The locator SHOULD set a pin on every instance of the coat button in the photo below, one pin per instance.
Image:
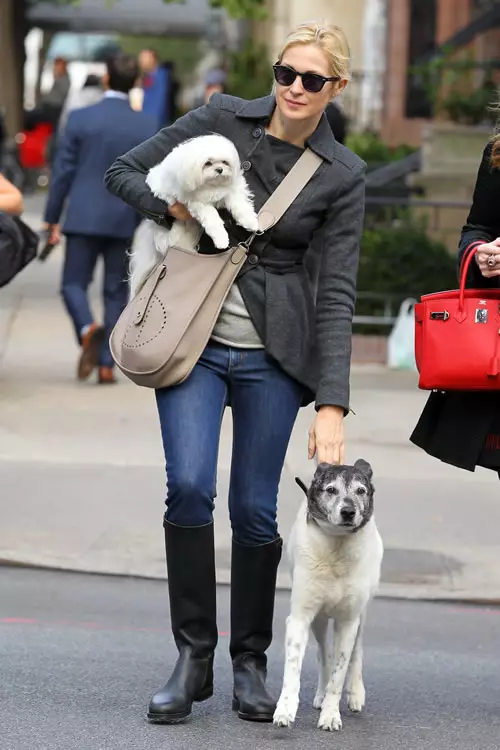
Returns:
(253, 259)
(257, 132)
(246, 166)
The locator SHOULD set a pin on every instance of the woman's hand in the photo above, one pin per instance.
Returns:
(179, 212)
(326, 436)
(11, 199)
(485, 255)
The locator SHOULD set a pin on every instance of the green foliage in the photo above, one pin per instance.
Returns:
(369, 147)
(461, 89)
(400, 262)
(251, 9)
(250, 75)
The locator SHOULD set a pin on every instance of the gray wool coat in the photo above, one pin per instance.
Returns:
(308, 334)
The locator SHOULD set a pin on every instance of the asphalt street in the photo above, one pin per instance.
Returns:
(81, 655)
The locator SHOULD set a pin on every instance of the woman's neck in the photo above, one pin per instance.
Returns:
(293, 132)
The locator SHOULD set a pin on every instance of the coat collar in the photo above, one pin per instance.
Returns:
(322, 141)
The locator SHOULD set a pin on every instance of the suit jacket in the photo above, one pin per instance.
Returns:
(93, 138)
(311, 342)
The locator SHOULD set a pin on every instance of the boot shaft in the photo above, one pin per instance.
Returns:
(190, 558)
(253, 587)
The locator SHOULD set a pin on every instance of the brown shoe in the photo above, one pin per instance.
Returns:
(106, 376)
(91, 345)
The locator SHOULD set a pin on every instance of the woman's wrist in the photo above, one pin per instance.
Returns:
(330, 408)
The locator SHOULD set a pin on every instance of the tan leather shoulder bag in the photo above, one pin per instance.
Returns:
(164, 329)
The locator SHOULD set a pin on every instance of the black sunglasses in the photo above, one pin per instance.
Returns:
(312, 82)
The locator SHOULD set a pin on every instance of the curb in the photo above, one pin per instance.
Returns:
(387, 591)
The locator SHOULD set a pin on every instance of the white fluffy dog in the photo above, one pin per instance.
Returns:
(336, 553)
(204, 174)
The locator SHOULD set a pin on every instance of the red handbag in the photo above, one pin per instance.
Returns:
(457, 337)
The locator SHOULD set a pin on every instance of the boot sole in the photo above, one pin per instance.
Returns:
(204, 695)
(263, 718)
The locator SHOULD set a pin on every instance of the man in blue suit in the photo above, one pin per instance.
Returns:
(97, 224)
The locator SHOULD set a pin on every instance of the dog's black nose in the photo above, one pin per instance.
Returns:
(347, 514)
(218, 170)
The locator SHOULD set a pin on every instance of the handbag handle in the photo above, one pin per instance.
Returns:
(469, 254)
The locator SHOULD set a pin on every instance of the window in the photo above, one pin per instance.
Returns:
(422, 42)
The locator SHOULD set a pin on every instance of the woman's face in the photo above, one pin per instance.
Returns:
(294, 102)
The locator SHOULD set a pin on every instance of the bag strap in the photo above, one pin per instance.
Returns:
(288, 189)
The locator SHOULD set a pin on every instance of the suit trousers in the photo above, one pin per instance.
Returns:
(82, 255)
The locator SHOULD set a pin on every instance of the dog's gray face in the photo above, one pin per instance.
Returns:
(340, 498)
(217, 172)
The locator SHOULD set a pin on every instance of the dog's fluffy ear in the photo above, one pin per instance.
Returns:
(302, 485)
(364, 467)
(157, 179)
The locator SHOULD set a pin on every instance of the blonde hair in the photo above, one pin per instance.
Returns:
(329, 38)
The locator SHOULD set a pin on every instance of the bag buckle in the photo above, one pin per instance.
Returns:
(444, 315)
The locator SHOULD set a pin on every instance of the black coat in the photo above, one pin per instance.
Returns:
(463, 428)
(311, 342)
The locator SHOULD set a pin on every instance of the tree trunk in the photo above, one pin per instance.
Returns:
(12, 62)
(12, 55)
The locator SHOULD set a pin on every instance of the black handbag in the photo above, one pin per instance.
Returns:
(18, 247)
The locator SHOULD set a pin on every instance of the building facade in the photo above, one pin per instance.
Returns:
(415, 28)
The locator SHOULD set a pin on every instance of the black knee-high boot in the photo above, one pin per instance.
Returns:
(253, 585)
(191, 585)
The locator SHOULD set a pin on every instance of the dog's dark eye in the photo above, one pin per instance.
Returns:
(208, 163)
(361, 491)
(332, 490)
(226, 163)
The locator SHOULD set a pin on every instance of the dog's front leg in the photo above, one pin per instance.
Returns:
(345, 637)
(356, 694)
(240, 206)
(297, 634)
(209, 218)
(319, 628)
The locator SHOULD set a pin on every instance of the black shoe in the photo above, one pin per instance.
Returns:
(253, 585)
(191, 586)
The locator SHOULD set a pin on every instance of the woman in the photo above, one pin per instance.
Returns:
(11, 200)
(271, 352)
(463, 428)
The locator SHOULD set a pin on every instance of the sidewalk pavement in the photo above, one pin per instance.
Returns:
(83, 479)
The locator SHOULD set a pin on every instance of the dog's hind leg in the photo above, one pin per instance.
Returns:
(297, 635)
(319, 627)
(345, 637)
(356, 694)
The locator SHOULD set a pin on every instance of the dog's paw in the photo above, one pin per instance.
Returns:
(251, 222)
(220, 239)
(285, 713)
(356, 698)
(329, 720)
(318, 699)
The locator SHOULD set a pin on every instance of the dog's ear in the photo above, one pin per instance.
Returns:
(155, 180)
(302, 485)
(364, 467)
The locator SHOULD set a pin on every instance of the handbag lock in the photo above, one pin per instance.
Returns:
(444, 315)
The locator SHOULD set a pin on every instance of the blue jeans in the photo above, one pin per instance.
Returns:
(264, 402)
(82, 254)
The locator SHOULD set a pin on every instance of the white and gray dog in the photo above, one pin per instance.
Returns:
(204, 174)
(336, 553)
